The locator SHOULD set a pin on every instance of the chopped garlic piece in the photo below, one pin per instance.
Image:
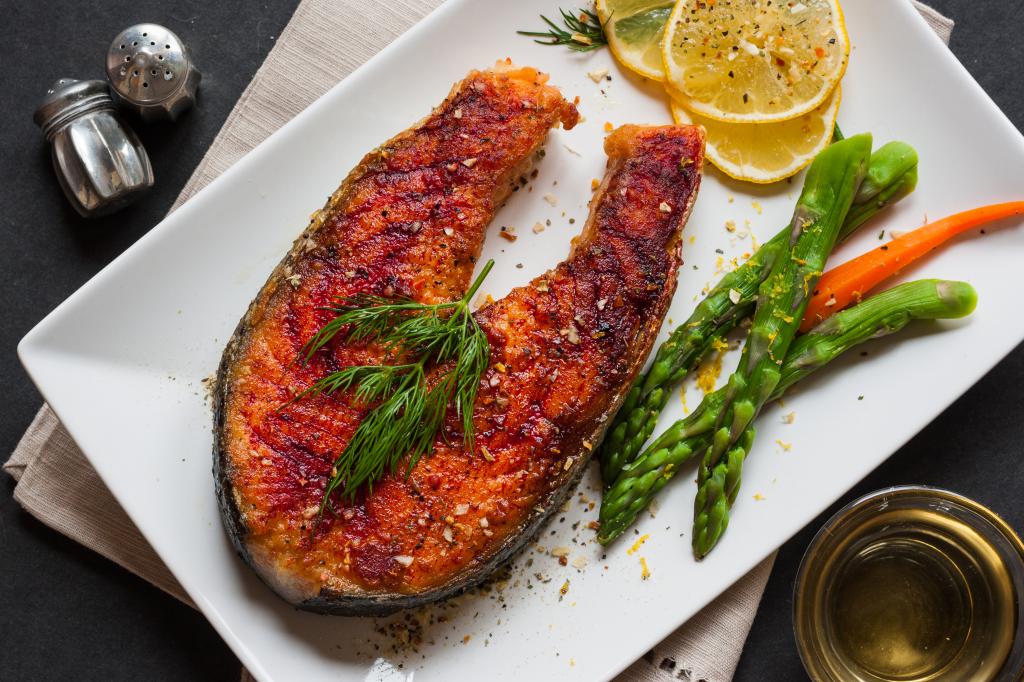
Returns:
(404, 559)
(734, 296)
(749, 47)
(664, 208)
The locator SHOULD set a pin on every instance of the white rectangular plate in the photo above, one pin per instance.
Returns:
(122, 360)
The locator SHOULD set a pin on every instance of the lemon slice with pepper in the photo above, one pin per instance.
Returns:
(754, 61)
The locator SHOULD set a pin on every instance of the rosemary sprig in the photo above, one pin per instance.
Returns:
(410, 413)
(585, 31)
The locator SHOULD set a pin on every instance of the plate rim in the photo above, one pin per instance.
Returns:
(32, 348)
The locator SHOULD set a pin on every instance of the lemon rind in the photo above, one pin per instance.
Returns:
(635, 67)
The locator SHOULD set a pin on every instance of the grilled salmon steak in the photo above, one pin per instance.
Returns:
(409, 221)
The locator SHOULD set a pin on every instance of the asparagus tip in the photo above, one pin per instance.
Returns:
(961, 297)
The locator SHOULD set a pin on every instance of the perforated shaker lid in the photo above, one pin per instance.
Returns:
(147, 64)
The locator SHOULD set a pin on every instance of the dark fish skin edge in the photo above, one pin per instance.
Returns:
(335, 603)
(330, 602)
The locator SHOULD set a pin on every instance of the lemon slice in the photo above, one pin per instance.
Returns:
(765, 152)
(754, 61)
(634, 29)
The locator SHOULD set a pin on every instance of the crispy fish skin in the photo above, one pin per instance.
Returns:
(408, 221)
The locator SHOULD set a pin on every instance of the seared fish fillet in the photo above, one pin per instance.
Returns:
(569, 345)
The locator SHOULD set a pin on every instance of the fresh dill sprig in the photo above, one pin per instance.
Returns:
(405, 423)
(585, 31)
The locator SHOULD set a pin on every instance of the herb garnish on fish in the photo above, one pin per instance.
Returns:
(410, 413)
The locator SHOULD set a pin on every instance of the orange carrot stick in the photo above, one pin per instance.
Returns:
(846, 283)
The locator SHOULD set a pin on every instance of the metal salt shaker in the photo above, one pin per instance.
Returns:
(100, 163)
(151, 73)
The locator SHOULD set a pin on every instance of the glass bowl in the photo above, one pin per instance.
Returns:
(912, 584)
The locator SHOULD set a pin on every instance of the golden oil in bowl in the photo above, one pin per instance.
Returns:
(912, 584)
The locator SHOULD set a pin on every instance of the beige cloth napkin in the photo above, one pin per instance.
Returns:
(324, 41)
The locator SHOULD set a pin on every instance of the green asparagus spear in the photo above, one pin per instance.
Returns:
(882, 314)
(892, 174)
(645, 476)
(831, 184)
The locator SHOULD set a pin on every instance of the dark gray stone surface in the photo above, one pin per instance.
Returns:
(69, 614)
